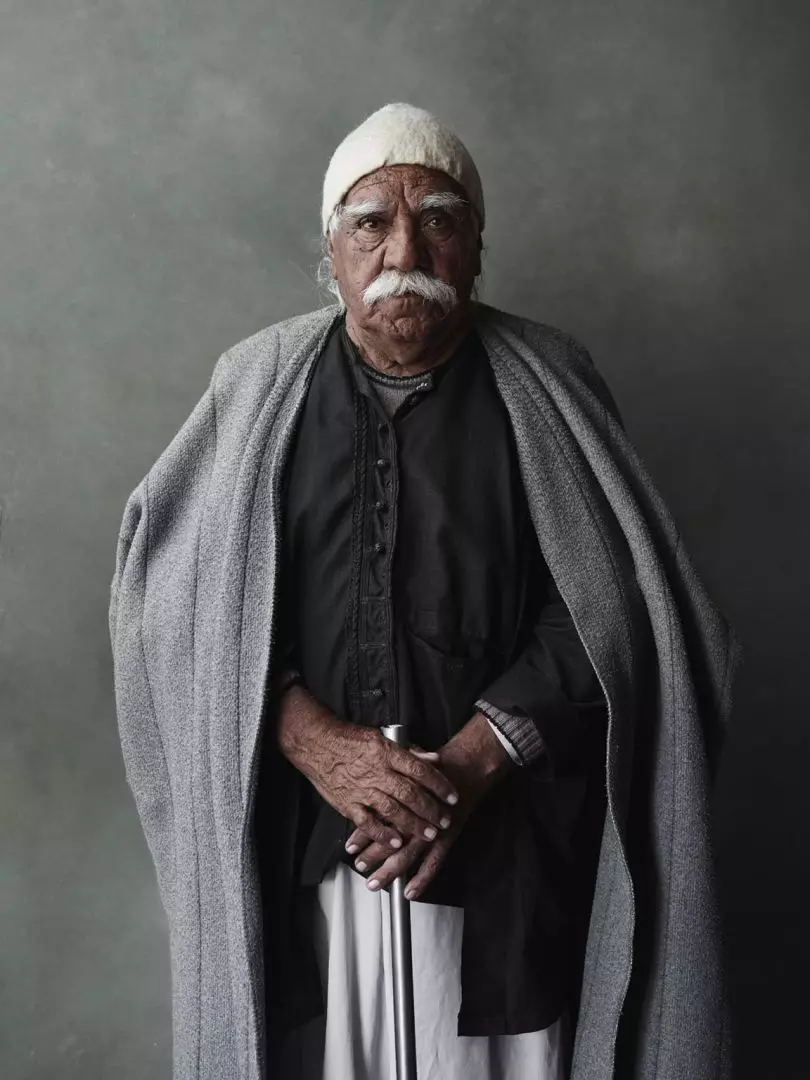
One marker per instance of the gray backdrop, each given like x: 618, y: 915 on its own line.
x: 645, y: 167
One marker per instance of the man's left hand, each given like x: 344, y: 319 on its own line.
x: 472, y: 760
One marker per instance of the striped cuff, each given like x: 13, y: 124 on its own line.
x: 518, y: 734
x: 502, y: 739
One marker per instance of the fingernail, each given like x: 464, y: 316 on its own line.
x: 360, y: 865
x: 445, y: 822
x: 410, y: 894
x: 351, y: 848
x: 452, y: 799
x: 396, y: 842
x: 373, y: 884
x: 430, y: 833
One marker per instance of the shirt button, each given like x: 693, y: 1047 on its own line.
x: 381, y: 462
x: 379, y: 505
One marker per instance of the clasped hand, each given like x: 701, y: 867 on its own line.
x: 409, y: 799
x: 423, y: 854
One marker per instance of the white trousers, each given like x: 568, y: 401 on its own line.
x: 355, y: 1038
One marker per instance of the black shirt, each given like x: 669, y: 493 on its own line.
x: 412, y: 584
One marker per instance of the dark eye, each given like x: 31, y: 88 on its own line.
x: 438, y: 221
x: 369, y: 223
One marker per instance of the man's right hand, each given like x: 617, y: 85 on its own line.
x: 384, y: 789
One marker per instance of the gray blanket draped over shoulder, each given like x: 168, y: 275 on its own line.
x: 192, y: 622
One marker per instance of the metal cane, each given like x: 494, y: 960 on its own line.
x: 404, y: 1029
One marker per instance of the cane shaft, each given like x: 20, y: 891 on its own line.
x: 404, y: 1028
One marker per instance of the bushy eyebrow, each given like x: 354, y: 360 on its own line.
x: 354, y: 211
x: 436, y: 200
x: 443, y: 200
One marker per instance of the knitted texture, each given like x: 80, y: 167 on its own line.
x: 192, y: 627
x: 519, y: 734
x: 399, y: 134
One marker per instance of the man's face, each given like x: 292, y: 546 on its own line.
x: 396, y: 232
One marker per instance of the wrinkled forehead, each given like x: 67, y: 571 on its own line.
x: 408, y: 185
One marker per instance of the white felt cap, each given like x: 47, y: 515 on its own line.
x: 399, y: 134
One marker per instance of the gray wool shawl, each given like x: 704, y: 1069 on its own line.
x: 192, y: 627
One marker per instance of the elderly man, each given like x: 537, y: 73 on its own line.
x: 413, y: 508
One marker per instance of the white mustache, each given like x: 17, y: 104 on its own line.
x: 397, y: 283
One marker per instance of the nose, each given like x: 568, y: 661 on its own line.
x: 404, y: 249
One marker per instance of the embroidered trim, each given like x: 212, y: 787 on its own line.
x: 352, y: 613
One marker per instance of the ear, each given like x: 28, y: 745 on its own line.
x: 330, y: 250
x: 478, y: 248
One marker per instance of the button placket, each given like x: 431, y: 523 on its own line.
x: 375, y: 606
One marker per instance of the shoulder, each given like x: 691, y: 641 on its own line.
x: 550, y: 342
x: 557, y: 348
x: 259, y: 357
x: 221, y: 423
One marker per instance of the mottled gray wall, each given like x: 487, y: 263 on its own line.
x: 646, y: 171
